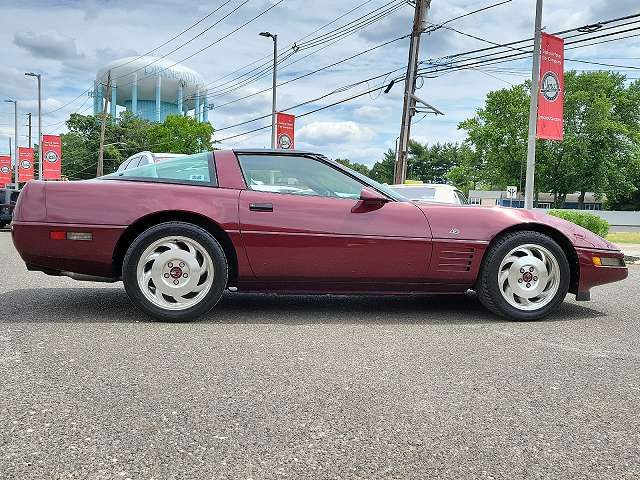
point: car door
(299, 222)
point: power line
(265, 68)
(358, 23)
(306, 102)
(441, 25)
(224, 17)
(147, 53)
(218, 40)
(224, 4)
(341, 61)
(494, 60)
(339, 102)
(521, 53)
(312, 72)
(290, 46)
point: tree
(466, 174)
(129, 135)
(600, 151)
(358, 167)
(431, 164)
(498, 134)
(180, 134)
(382, 171)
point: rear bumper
(592, 275)
(39, 252)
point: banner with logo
(285, 126)
(25, 170)
(551, 97)
(5, 170)
(52, 156)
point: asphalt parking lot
(313, 387)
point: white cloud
(332, 133)
(370, 112)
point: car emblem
(454, 231)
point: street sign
(512, 192)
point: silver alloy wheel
(529, 277)
(175, 273)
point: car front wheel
(175, 271)
(525, 276)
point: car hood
(472, 222)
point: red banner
(25, 157)
(52, 156)
(285, 131)
(551, 97)
(5, 170)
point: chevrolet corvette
(180, 232)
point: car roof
(167, 155)
(428, 185)
(273, 150)
(157, 154)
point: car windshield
(417, 193)
(378, 186)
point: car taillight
(81, 236)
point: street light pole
(39, 77)
(15, 143)
(29, 127)
(533, 111)
(274, 37)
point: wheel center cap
(527, 277)
(175, 272)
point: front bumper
(591, 275)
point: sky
(67, 41)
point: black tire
(488, 288)
(155, 233)
(2, 225)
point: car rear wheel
(175, 271)
(525, 276)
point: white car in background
(431, 192)
(146, 158)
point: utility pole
(408, 108)
(39, 77)
(533, 111)
(274, 37)
(29, 127)
(100, 169)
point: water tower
(152, 88)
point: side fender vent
(455, 259)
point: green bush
(587, 220)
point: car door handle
(261, 207)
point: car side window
(297, 175)
(188, 169)
(124, 165)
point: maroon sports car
(178, 233)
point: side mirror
(369, 200)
